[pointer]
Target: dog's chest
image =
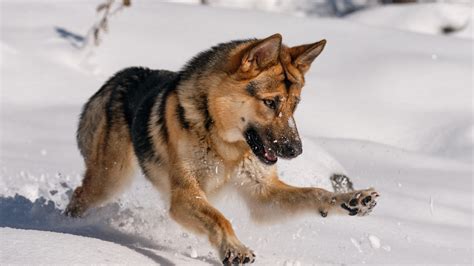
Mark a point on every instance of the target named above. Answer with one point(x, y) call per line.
point(252, 170)
point(211, 171)
point(201, 162)
point(248, 171)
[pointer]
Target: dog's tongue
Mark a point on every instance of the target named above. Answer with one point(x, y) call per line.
point(269, 155)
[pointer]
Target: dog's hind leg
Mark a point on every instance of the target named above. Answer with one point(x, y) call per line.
point(109, 170)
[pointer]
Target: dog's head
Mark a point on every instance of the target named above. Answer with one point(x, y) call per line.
point(260, 95)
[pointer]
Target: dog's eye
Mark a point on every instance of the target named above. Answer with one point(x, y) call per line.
point(272, 104)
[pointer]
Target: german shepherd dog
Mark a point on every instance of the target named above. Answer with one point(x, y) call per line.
point(226, 117)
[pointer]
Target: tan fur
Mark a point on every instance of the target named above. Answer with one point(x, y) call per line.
point(108, 169)
point(193, 163)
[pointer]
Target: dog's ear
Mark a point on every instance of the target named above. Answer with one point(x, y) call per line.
point(262, 54)
point(303, 55)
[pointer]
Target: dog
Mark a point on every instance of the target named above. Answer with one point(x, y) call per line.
point(226, 117)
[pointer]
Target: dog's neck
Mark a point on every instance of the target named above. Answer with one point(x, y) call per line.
point(230, 152)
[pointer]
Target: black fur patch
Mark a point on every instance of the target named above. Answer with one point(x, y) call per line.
point(126, 93)
point(251, 89)
point(155, 88)
point(287, 84)
point(141, 137)
point(134, 91)
point(181, 116)
point(203, 108)
point(207, 116)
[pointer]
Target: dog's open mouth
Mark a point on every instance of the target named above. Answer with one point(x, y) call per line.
point(266, 154)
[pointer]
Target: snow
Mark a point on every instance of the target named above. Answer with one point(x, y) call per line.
point(192, 252)
point(374, 242)
point(429, 18)
point(389, 107)
point(79, 249)
point(356, 245)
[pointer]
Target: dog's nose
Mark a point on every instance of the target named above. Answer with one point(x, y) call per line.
point(292, 150)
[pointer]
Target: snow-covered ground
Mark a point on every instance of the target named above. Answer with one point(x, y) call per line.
point(84, 250)
point(453, 17)
point(392, 109)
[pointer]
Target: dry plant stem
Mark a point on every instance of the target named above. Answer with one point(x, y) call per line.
point(96, 30)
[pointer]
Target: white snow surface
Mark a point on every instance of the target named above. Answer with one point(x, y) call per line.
point(392, 109)
point(428, 18)
point(80, 249)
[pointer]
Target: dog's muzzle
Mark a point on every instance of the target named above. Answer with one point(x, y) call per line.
point(268, 149)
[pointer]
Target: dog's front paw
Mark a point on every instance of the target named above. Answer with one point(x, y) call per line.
point(237, 255)
point(360, 202)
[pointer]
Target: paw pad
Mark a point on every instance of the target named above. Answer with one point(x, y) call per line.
point(234, 258)
point(361, 202)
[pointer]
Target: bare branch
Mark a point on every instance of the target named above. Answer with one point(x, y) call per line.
point(103, 24)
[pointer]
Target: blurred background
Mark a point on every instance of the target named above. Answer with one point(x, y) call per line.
point(337, 8)
point(426, 16)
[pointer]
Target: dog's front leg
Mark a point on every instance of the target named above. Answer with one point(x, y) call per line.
point(190, 208)
point(270, 196)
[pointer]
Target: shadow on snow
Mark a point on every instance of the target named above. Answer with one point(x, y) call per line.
point(21, 213)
